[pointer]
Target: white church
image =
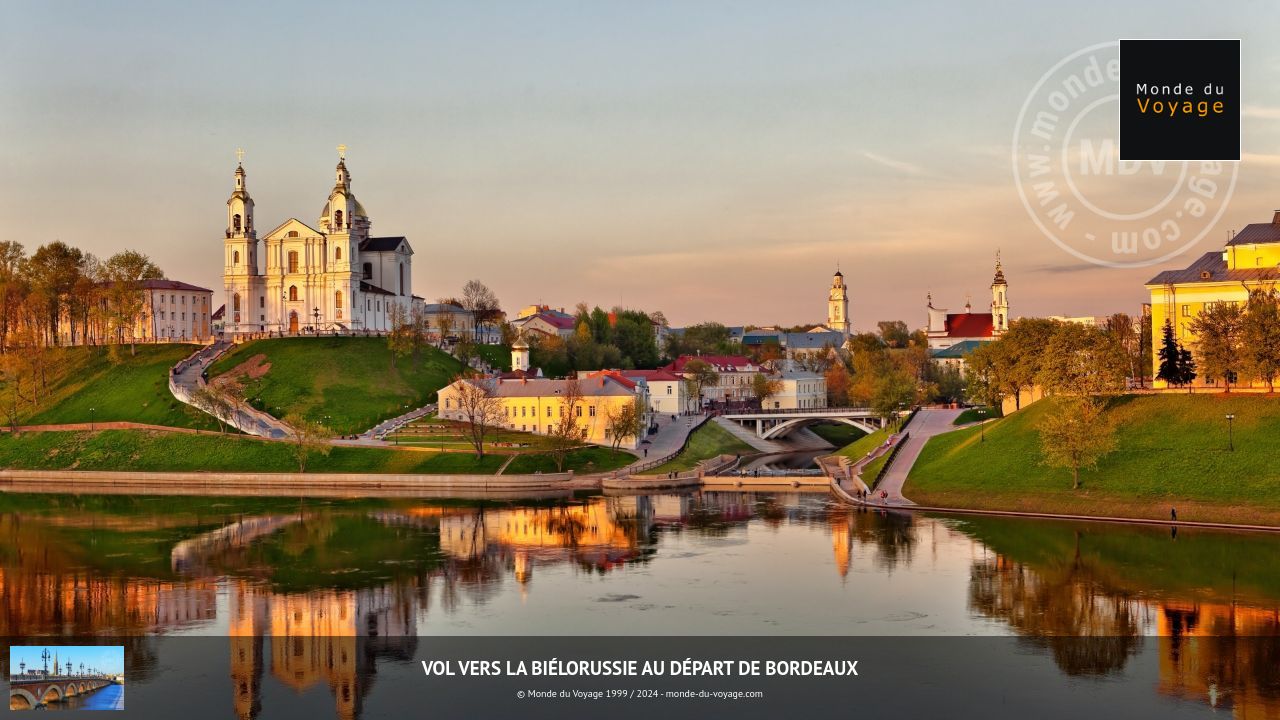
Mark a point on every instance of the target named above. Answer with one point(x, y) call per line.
point(334, 277)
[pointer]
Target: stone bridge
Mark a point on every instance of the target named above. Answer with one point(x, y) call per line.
point(38, 692)
point(773, 424)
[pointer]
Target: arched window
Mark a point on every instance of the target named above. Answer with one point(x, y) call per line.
point(337, 253)
point(235, 222)
point(337, 219)
point(235, 257)
point(401, 278)
point(293, 293)
point(235, 302)
point(368, 271)
point(337, 299)
point(293, 261)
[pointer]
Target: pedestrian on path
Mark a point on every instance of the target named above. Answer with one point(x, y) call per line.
point(1173, 513)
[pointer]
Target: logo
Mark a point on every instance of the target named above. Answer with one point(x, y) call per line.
point(1083, 196)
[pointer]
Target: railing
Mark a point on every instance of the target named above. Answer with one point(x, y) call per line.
point(801, 411)
point(649, 464)
point(893, 453)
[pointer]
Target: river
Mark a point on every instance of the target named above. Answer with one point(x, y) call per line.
point(703, 563)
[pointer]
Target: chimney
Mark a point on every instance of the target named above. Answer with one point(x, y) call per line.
point(1275, 219)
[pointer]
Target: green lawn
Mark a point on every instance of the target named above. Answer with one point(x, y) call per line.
point(864, 445)
point(498, 356)
point(972, 415)
point(347, 384)
point(873, 467)
point(89, 386)
point(585, 460)
point(707, 441)
point(838, 434)
point(175, 452)
point(1171, 451)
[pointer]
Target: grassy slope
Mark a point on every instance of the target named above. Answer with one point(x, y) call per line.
point(585, 460)
point(133, 388)
point(863, 445)
point(498, 356)
point(972, 415)
point(707, 441)
point(348, 384)
point(1171, 451)
point(158, 451)
point(838, 434)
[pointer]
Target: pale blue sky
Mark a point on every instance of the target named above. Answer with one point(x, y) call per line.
point(668, 155)
point(108, 659)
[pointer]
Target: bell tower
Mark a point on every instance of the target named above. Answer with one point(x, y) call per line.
point(999, 301)
point(241, 243)
point(838, 305)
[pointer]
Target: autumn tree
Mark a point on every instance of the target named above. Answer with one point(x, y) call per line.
point(123, 275)
point(1081, 360)
point(764, 387)
point(698, 376)
point(837, 377)
point(624, 421)
point(1219, 347)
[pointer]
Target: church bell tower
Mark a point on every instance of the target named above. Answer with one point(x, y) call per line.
point(241, 237)
point(838, 305)
point(999, 301)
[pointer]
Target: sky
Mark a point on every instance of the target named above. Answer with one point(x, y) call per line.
point(108, 659)
point(712, 160)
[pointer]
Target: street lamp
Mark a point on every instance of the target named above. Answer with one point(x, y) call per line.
point(90, 419)
point(982, 426)
point(315, 326)
point(1231, 445)
point(45, 657)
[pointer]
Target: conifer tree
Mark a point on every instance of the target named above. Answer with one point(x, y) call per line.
point(1170, 356)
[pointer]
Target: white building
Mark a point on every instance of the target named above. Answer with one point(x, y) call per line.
point(333, 277)
point(800, 389)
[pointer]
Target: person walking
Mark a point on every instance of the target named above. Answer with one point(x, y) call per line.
point(1173, 514)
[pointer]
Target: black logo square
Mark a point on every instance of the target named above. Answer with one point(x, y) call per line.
point(1180, 100)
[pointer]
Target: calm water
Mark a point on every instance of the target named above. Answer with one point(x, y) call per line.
point(712, 563)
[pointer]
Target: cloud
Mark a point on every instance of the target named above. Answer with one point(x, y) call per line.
point(1259, 111)
point(900, 165)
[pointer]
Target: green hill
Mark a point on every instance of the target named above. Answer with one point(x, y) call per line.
point(89, 385)
point(347, 384)
point(1171, 451)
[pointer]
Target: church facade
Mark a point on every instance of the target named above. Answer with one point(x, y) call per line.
point(334, 277)
point(946, 329)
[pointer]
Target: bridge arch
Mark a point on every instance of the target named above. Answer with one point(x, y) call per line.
point(20, 699)
point(53, 693)
point(71, 690)
point(783, 429)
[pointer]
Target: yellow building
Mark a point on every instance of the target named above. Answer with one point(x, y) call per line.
point(537, 404)
point(1248, 261)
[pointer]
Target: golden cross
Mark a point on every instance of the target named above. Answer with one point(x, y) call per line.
point(342, 152)
point(239, 155)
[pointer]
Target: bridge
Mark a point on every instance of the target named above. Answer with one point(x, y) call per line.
point(772, 424)
point(37, 691)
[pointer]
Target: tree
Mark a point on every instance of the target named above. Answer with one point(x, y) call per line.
point(1219, 349)
point(894, 333)
point(1081, 360)
point(1260, 336)
point(481, 302)
point(214, 403)
point(1075, 435)
point(837, 385)
point(894, 391)
point(126, 297)
point(53, 270)
point(764, 387)
point(981, 382)
point(565, 433)
point(698, 375)
point(479, 407)
point(1186, 367)
point(1170, 356)
point(1120, 327)
point(13, 288)
point(309, 438)
point(627, 420)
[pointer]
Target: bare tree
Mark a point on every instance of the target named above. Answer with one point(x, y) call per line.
point(481, 302)
point(625, 421)
point(479, 408)
point(214, 403)
point(566, 433)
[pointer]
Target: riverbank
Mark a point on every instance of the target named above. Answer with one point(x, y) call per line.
point(1172, 451)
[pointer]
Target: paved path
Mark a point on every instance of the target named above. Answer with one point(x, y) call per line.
point(188, 376)
point(669, 438)
point(926, 423)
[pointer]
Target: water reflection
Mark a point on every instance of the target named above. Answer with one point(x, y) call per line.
point(316, 594)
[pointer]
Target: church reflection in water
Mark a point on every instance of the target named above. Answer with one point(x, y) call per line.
point(300, 603)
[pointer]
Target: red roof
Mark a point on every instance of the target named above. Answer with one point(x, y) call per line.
point(612, 375)
point(658, 375)
point(719, 362)
point(969, 325)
